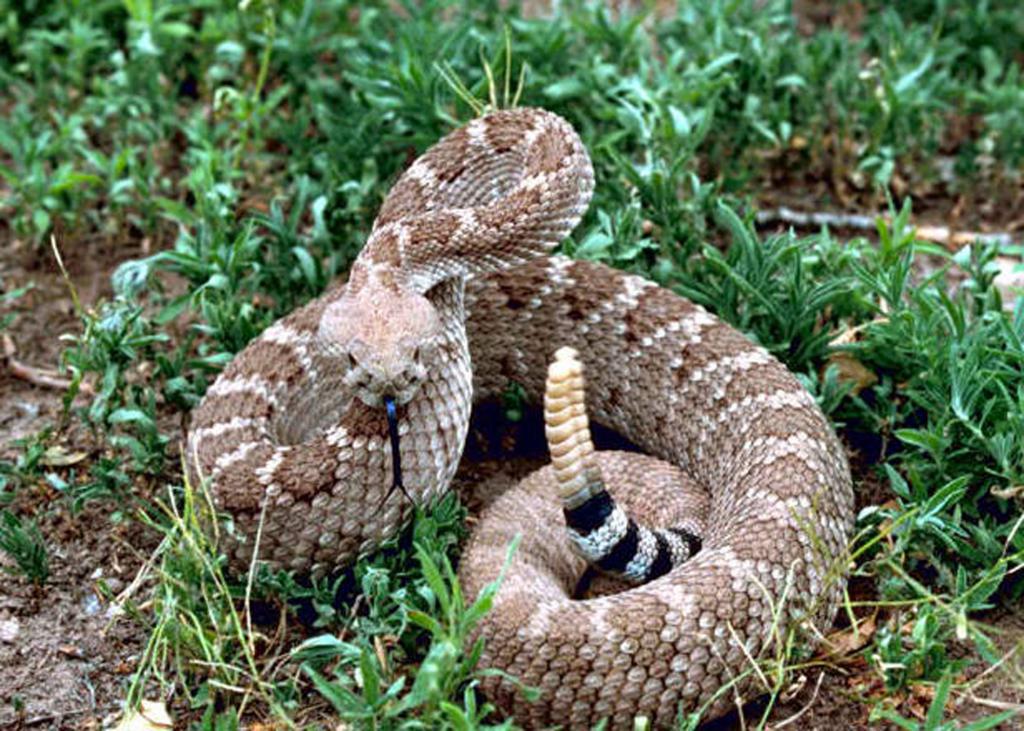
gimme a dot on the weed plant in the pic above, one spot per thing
(24, 545)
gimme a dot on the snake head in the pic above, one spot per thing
(383, 339)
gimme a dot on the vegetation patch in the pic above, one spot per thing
(174, 176)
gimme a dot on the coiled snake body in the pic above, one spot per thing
(454, 296)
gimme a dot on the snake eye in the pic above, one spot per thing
(423, 352)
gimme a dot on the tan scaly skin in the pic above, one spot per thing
(453, 296)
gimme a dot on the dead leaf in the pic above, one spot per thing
(794, 688)
(920, 700)
(58, 456)
(851, 370)
(150, 716)
(1008, 493)
(846, 642)
(71, 651)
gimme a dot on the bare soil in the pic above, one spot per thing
(63, 662)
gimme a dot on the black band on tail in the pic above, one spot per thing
(622, 552)
(662, 562)
(693, 543)
(590, 515)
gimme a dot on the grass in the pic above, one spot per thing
(23, 544)
(250, 147)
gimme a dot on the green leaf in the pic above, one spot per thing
(131, 416)
(368, 670)
(720, 62)
(432, 575)
(343, 700)
(430, 678)
(905, 82)
(307, 264)
(932, 443)
(40, 220)
(424, 620)
(564, 89)
(791, 81)
(937, 709)
(896, 481)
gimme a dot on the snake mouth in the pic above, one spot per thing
(396, 456)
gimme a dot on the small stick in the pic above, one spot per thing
(807, 706)
(43, 377)
(61, 715)
(861, 222)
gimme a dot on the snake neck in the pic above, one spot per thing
(433, 426)
(377, 267)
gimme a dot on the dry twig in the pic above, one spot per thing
(43, 377)
(944, 235)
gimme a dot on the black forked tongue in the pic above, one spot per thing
(396, 456)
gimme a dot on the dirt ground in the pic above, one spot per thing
(63, 663)
(66, 660)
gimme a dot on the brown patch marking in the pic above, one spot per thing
(219, 408)
(278, 359)
(308, 470)
(547, 154)
(507, 131)
(428, 234)
(407, 198)
(448, 159)
(238, 487)
(509, 209)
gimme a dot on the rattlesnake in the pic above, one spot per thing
(453, 297)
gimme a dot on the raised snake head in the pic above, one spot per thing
(385, 338)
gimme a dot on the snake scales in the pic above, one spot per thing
(455, 295)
